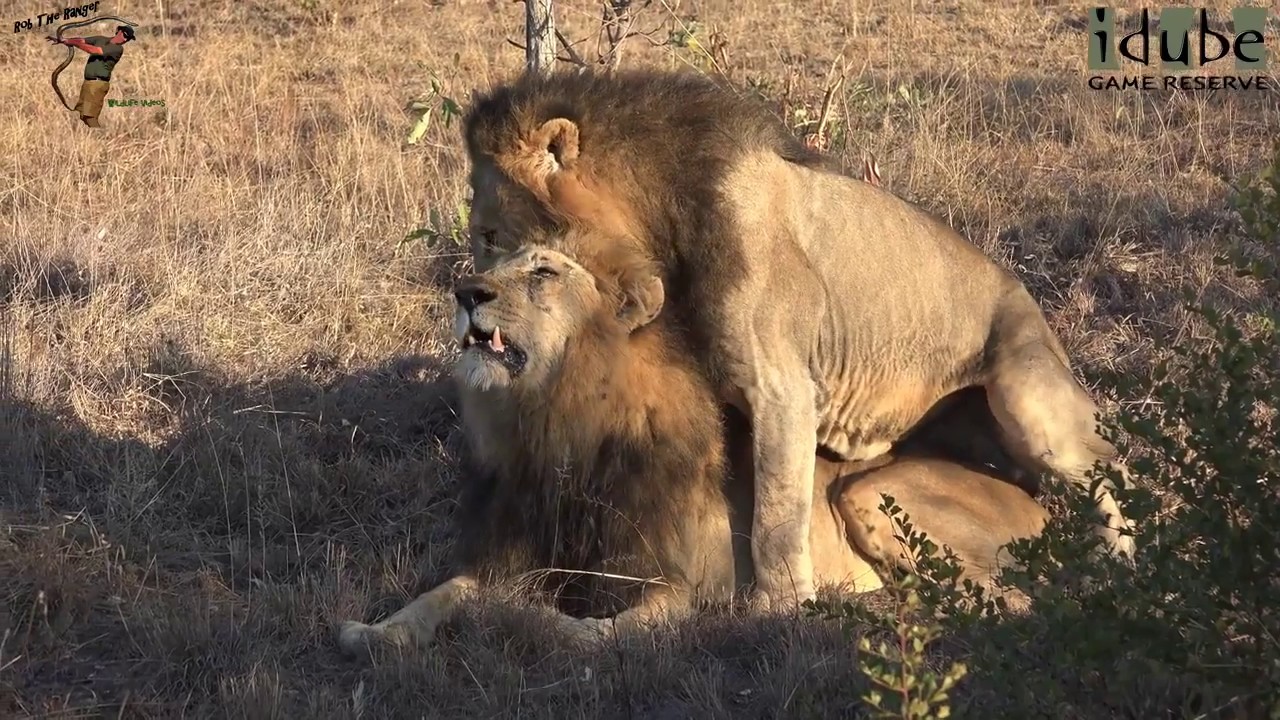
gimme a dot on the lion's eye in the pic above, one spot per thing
(545, 272)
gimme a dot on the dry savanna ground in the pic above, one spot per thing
(222, 423)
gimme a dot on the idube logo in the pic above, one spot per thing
(1176, 46)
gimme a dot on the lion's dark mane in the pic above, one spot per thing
(614, 505)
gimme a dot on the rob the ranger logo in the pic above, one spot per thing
(1177, 47)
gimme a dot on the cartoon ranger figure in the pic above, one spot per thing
(104, 53)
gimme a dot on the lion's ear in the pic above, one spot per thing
(559, 138)
(642, 300)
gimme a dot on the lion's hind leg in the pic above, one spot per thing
(972, 513)
(413, 625)
(1048, 421)
(867, 528)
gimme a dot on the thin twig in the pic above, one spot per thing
(513, 43)
(574, 57)
(828, 100)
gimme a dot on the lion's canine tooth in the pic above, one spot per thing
(496, 341)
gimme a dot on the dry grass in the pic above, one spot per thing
(223, 431)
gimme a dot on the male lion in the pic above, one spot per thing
(831, 312)
(597, 452)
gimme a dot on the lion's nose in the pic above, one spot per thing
(473, 294)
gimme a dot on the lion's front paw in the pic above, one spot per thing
(357, 638)
(583, 631)
(592, 630)
(360, 640)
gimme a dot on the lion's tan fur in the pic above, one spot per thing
(618, 390)
(832, 312)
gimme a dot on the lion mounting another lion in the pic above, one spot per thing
(598, 461)
(830, 312)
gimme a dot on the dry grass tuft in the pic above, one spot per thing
(222, 422)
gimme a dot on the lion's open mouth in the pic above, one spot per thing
(494, 346)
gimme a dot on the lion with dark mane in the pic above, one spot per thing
(598, 461)
(832, 313)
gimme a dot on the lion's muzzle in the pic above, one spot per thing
(474, 328)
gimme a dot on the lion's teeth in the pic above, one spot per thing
(496, 341)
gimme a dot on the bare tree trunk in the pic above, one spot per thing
(539, 36)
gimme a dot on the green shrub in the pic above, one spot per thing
(1192, 627)
(895, 648)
